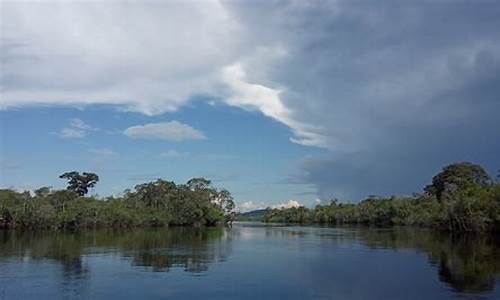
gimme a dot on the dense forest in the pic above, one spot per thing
(461, 198)
(153, 204)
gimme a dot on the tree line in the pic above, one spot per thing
(461, 198)
(152, 204)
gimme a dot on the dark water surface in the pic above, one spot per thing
(249, 261)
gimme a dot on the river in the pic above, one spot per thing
(249, 261)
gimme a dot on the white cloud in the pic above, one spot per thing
(267, 100)
(143, 57)
(77, 129)
(23, 189)
(172, 131)
(122, 60)
(79, 124)
(250, 205)
(289, 204)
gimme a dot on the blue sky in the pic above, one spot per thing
(242, 151)
(277, 101)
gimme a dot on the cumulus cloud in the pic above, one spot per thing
(289, 204)
(146, 57)
(250, 205)
(172, 131)
(127, 64)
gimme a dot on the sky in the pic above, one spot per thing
(280, 102)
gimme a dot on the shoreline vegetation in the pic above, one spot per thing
(158, 203)
(461, 198)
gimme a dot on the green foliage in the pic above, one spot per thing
(457, 177)
(462, 198)
(80, 184)
(153, 204)
(300, 215)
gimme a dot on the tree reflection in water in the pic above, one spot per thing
(467, 263)
(157, 250)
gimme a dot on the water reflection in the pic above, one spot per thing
(155, 250)
(467, 263)
(464, 264)
(191, 249)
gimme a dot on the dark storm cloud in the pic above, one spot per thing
(398, 88)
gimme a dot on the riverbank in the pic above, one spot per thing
(461, 198)
(474, 211)
(154, 204)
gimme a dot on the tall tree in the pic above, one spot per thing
(456, 177)
(225, 201)
(80, 183)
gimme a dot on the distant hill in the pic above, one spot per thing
(254, 215)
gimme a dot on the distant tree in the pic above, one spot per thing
(80, 184)
(199, 183)
(456, 177)
(43, 191)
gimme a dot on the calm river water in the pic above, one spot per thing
(249, 261)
